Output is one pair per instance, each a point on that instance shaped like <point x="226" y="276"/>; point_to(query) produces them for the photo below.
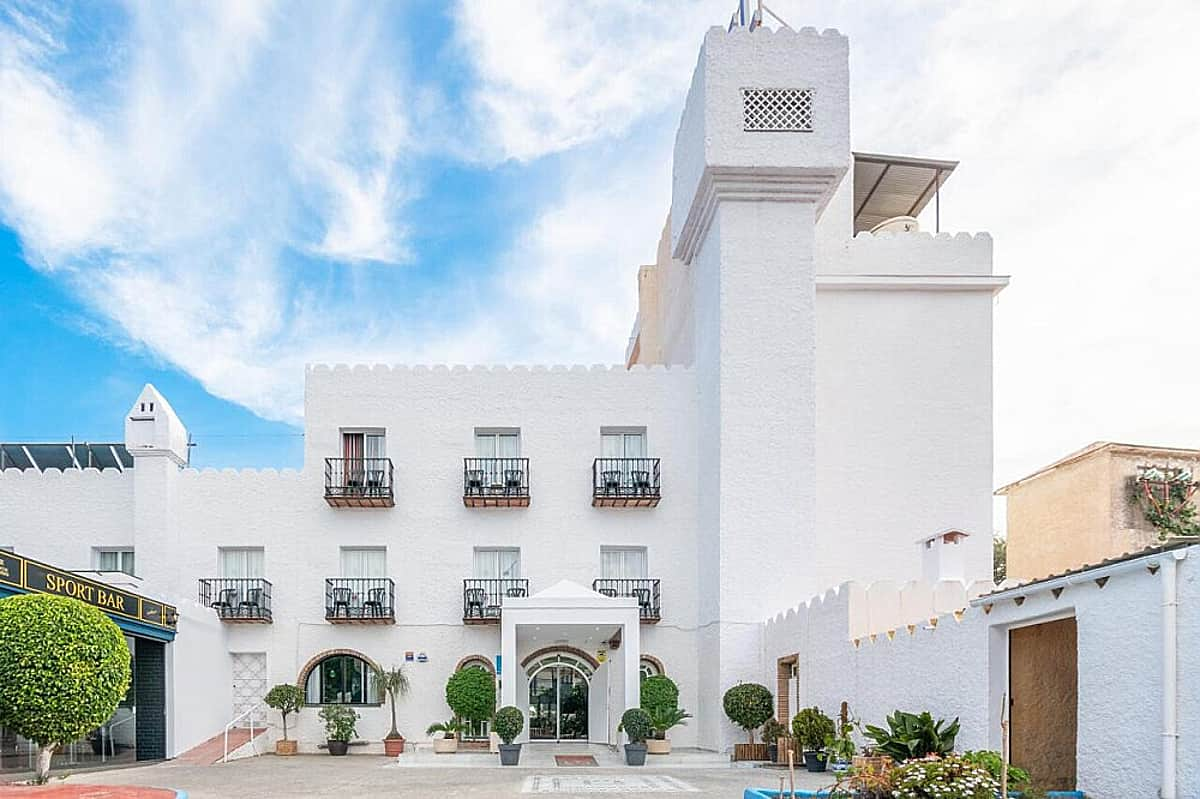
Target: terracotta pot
<point x="445" y="746"/>
<point x="658" y="746"/>
<point x="285" y="748"/>
<point x="393" y="746"/>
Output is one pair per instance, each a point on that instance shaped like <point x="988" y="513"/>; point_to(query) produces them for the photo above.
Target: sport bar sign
<point x="30" y="575"/>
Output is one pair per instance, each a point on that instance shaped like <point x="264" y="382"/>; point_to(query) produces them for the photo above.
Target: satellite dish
<point x="898" y="224"/>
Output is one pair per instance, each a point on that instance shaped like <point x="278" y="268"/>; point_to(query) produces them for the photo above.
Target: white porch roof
<point x="568" y="594"/>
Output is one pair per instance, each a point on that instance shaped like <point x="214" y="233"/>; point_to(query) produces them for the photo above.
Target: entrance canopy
<point x="134" y="614"/>
<point x="569" y="616"/>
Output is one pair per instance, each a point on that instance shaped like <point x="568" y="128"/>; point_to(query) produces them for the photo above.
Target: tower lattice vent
<point x="778" y="110"/>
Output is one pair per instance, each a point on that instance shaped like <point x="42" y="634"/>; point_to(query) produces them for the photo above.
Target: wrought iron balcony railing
<point x="626" y="482"/>
<point x="360" y="600"/>
<point x="238" y="599"/>
<point x="483" y="599"/>
<point x="495" y="482"/>
<point x="644" y="589"/>
<point x="359" y="482"/>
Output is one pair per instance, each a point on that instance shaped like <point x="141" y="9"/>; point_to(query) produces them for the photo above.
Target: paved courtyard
<point x="682" y="775"/>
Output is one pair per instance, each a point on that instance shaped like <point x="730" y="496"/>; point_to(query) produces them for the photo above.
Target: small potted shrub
<point x="339" y="727"/>
<point x="840" y="748"/>
<point x="394" y="682"/>
<point x="772" y="731"/>
<point x="445" y="736"/>
<point x="910" y="736"/>
<point x="286" y="698"/>
<point x="508" y="724"/>
<point x="749" y="705"/>
<point x="635" y="723"/>
<point x="811" y="726"/>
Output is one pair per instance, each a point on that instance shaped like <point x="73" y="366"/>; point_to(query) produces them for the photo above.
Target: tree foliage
<point x="471" y="694"/>
<point x="287" y="698"/>
<point x="65" y="669"/>
<point x="748" y="705"/>
<point x="659" y="692"/>
<point x="635" y="723"/>
<point x="508" y="723"/>
<point x="999" y="559"/>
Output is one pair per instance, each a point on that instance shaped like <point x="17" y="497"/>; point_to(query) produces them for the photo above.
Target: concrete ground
<point x="680" y="775"/>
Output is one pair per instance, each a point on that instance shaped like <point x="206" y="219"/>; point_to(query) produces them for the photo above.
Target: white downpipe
<point x="1170" y="693"/>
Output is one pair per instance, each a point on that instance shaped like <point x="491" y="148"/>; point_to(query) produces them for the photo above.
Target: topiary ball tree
<point x="65" y="669"/>
<point x="471" y="694"/>
<point x="659" y="692"/>
<point x="287" y="698"/>
<point x="635" y="723"/>
<point x="508" y="723"/>
<point x="749" y="705"/>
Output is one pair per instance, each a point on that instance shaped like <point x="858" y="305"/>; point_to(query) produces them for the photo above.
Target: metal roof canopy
<point x="887" y="186"/>
<point x="67" y="455"/>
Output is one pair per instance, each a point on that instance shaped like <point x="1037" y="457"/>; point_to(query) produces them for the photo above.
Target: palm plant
<point x="395" y="682"/>
<point x="447" y="729"/>
<point x="663" y="718"/>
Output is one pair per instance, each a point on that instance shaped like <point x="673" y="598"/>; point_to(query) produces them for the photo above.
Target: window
<point x="360" y="444"/>
<point x="364" y="562"/>
<point x="497" y="564"/>
<point x="623" y="563"/>
<point x="341" y="680"/>
<point x="649" y="667"/>
<point x="497" y="443"/>
<point x="241" y="562"/>
<point x="115" y="560"/>
<point x="615" y="443"/>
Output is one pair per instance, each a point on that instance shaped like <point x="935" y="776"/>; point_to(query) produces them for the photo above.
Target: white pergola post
<point x="508" y="659"/>
<point x="631" y="643"/>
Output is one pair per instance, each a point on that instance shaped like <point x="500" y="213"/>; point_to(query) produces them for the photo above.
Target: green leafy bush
<point x="508" y="723"/>
<point x="911" y="736"/>
<point x="663" y="718"/>
<point x="636" y="724"/>
<point x="659" y="691"/>
<point x="340" y="722"/>
<point x="446" y="729"/>
<point x="64" y="667"/>
<point x="749" y="705"/>
<point x="839" y="745"/>
<point x="811" y="726"/>
<point x="286" y="698"/>
<point x="471" y="694"/>
<point x="772" y="731"/>
<point x="951" y="777"/>
<point x="993" y="762"/>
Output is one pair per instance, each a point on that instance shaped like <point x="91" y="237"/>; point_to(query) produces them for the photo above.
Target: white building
<point x="801" y="405"/>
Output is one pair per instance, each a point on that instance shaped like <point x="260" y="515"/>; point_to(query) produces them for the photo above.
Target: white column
<point x="632" y="645"/>
<point x="508" y="659"/>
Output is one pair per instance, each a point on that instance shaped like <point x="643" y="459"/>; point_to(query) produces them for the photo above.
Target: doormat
<point x="574" y="761"/>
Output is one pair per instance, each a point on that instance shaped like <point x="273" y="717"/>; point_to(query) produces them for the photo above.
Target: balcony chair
<point x="375" y="482"/>
<point x="474" y="481"/>
<point x="643" y="600"/>
<point x="225" y="602"/>
<point x="475" y="598"/>
<point x="514" y="591"/>
<point x="376" y="602"/>
<point x="341" y="599"/>
<point x="611" y="481"/>
<point x="611" y="593"/>
<point x="252" y="604"/>
<point x="641" y="482"/>
<point x="512" y="481"/>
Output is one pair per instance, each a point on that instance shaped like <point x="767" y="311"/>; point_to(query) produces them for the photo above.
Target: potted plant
<point x="749" y="705"/>
<point x="660" y="700"/>
<point x="635" y="723"/>
<point x="911" y="736"/>
<point x="840" y="748"/>
<point x="339" y="727"/>
<point x="508" y="724"/>
<point x="772" y="731"/>
<point x="286" y="698"/>
<point x="810" y="726"/>
<point x="445" y="736"/>
<point x="395" y="682"/>
<point x="471" y="694"/>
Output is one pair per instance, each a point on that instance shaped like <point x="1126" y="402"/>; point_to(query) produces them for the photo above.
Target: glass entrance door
<point x="558" y="705"/>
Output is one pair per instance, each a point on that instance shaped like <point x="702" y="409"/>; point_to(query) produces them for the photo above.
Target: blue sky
<point x="208" y="196"/>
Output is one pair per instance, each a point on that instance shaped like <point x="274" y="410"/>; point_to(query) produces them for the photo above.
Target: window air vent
<point x="778" y="110"/>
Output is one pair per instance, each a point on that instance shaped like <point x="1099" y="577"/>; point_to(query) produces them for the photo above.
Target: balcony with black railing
<point x="359" y="482"/>
<point x="483" y="599"/>
<point x="244" y="600"/>
<point x="643" y="589"/>
<point x="360" y="600"/>
<point x="626" y="483"/>
<point x="496" y="482"/>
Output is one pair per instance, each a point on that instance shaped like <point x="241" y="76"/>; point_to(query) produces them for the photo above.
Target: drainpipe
<point x="1170" y="735"/>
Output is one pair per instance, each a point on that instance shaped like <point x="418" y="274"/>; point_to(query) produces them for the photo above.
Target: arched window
<point x="650" y="666"/>
<point x="341" y="679"/>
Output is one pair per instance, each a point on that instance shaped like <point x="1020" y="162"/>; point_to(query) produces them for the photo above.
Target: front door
<point x="1044" y="689"/>
<point x="558" y="705"/>
<point x="249" y="687"/>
